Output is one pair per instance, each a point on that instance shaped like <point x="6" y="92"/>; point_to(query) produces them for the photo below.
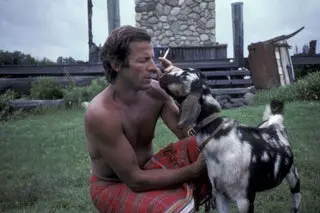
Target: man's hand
<point x="167" y="65"/>
<point x="200" y="165"/>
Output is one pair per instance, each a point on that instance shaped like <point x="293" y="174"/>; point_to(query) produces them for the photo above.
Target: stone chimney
<point x="178" y="22"/>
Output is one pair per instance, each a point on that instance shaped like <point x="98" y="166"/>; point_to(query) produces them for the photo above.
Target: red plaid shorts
<point x="108" y="196"/>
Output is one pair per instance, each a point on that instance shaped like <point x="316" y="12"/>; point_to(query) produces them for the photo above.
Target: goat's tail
<point x="275" y="107"/>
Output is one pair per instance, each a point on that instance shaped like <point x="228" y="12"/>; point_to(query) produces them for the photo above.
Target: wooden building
<point x="270" y="62"/>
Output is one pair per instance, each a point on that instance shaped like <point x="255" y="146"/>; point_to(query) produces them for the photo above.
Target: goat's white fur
<point x="232" y="174"/>
<point x="232" y="161"/>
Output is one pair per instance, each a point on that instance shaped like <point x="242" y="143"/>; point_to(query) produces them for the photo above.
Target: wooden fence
<point x="222" y="74"/>
<point x="232" y="82"/>
<point x="20" y="78"/>
<point x="203" y="53"/>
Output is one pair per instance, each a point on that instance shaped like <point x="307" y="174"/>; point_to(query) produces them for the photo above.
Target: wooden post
<point x="90" y="42"/>
<point x="113" y="14"/>
<point x="237" y="27"/>
<point x="312" y="47"/>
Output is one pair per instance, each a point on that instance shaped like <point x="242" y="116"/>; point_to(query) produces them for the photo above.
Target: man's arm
<point x="170" y="112"/>
<point x="170" y="115"/>
<point x="105" y="131"/>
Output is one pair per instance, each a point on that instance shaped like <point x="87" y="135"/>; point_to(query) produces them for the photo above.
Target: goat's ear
<point x="196" y="87"/>
<point x="202" y="76"/>
<point x="189" y="111"/>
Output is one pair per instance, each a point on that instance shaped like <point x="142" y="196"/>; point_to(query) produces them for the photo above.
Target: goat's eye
<point x="179" y="93"/>
<point x="177" y="90"/>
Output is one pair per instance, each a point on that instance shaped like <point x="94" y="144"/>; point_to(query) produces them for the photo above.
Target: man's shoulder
<point x="100" y="112"/>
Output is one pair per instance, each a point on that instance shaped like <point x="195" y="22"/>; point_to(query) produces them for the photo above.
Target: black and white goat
<point x="241" y="160"/>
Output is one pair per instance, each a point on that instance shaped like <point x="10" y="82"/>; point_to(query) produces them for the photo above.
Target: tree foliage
<point x="19" y="58"/>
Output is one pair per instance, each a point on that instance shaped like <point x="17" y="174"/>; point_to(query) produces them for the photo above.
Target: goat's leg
<point x="222" y="203"/>
<point x="246" y="205"/>
<point x="243" y="205"/>
<point x="213" y="188"/>
<point x="252" y="197"/>
<point x="213" y="193"/>
<point x="293" y="181"/>
<point x="213" y="199"/>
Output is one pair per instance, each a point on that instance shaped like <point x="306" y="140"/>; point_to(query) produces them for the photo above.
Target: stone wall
<point x="178" y="22"/>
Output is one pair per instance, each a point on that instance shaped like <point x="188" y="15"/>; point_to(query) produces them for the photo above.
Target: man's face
<point x="141" y="65"/>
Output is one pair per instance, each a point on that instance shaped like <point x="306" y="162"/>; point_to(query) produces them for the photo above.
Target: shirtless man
<point x="120" y="123"/>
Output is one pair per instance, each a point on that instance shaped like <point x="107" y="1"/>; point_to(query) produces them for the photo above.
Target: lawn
<point x="45" y="167"/>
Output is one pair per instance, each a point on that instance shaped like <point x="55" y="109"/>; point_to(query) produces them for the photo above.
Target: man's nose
<point x="152" y="66"/>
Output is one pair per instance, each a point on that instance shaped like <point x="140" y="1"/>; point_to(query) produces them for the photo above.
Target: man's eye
<point x="144" y="60"/>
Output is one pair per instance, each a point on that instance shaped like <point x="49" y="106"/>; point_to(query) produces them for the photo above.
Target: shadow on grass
<point x="26" y="195"/>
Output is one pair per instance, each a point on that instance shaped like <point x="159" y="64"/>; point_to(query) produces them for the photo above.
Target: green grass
<point x="45" y="167"/>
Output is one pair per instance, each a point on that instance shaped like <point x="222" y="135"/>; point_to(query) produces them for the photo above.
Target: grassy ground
<point x="45" y="168"/>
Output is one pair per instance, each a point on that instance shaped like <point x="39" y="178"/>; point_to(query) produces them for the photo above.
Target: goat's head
<point x="190" y="91"/>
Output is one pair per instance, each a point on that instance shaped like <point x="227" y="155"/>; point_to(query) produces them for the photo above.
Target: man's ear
<point x="115" y="67"/>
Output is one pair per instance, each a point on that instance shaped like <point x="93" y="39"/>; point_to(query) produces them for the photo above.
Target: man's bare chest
<point x="139" y="123"/>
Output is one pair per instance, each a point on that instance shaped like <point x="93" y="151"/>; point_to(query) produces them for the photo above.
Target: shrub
<point x="46" y="89"/>
<point x="5" y="98"/>
<point x="286" y="94"/>
<point x="306" y="88"/>
<point x="74" y="96"/>
<point x="96" y="86"/>
<point x="300" y="71"/>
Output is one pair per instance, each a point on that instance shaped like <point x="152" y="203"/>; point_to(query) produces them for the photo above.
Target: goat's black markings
<point x="271" y="156"/>
<point x="296" y="188"/>
<point x="262" y="172"/>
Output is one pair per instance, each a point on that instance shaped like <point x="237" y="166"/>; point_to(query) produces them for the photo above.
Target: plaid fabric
<point x="117" y="197"/>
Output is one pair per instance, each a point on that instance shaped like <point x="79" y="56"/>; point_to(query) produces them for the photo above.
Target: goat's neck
<point x="208" y="109"/>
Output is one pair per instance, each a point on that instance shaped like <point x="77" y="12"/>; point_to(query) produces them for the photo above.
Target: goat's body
<point x="243" y="160"/>
<point x="240" y="160"/>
